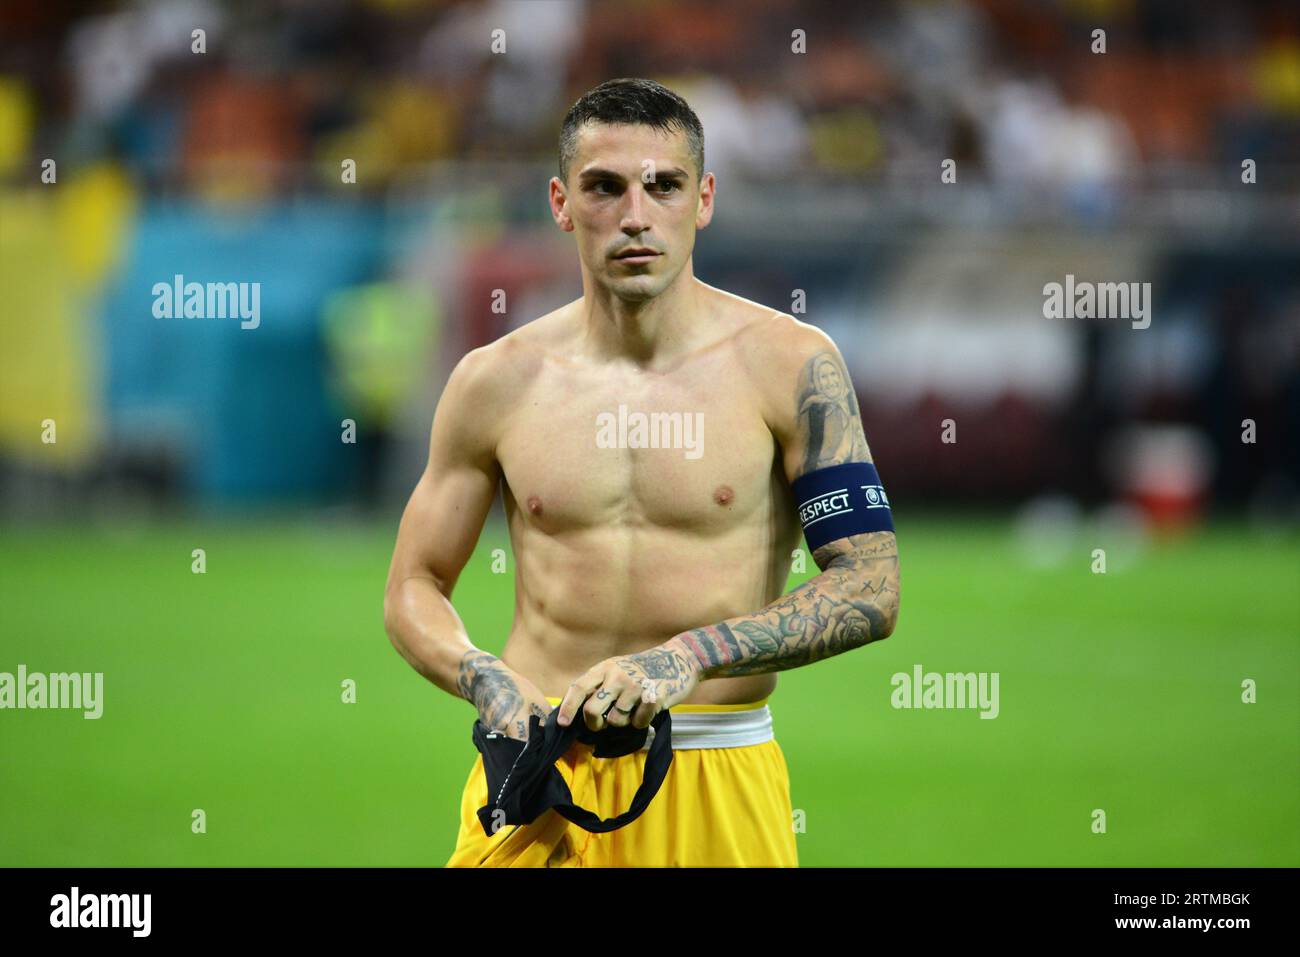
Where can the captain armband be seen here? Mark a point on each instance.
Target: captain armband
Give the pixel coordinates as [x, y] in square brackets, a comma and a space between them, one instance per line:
[839, 501]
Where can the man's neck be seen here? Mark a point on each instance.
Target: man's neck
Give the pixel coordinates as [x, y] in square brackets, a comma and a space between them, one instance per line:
[649, 332]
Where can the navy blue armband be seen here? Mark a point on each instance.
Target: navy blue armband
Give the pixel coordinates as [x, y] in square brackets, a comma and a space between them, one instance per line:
[839, 501]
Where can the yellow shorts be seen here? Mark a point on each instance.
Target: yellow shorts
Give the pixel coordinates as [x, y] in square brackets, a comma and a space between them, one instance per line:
[723, 803]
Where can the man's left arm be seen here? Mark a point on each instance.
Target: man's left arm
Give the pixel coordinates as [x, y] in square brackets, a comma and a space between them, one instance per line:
[853, 602]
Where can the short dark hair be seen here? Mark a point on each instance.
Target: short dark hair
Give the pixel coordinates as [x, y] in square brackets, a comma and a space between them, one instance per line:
[631, 100]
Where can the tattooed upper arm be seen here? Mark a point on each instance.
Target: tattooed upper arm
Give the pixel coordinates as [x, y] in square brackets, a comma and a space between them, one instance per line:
[854, 600]
[828, 425]
[810, 399]
[823, 427]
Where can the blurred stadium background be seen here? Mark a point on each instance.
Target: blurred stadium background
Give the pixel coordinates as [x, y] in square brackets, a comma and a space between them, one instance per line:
[1120, 691]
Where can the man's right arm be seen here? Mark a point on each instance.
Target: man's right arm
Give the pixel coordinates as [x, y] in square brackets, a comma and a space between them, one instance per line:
[437, 535]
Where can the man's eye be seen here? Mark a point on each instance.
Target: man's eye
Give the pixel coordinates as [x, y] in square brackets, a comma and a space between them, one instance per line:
[666, 182]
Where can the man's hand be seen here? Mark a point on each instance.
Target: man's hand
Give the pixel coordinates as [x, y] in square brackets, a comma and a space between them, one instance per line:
[505, 699]
[631, 689]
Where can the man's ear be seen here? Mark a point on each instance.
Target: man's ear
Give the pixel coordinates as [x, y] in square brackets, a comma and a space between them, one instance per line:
[704, 209]
[559, 199]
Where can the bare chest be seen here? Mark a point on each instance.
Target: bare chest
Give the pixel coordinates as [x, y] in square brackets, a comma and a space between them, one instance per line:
[686, 449]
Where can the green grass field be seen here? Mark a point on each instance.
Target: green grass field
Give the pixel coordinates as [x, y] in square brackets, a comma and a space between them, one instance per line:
[222, 692]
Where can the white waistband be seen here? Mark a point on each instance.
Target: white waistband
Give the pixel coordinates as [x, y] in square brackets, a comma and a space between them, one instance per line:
[719, 729]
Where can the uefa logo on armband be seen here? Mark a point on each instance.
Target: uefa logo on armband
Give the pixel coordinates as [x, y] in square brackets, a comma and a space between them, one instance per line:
[876, 497]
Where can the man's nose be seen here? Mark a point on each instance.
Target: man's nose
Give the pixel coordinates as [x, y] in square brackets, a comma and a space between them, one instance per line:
[633, 213]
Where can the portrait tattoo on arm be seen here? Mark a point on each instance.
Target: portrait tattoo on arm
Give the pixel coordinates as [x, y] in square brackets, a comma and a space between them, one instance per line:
[828, 416]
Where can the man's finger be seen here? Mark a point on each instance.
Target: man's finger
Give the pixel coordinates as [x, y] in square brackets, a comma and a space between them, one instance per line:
[575, 696]
[645, 712]
[597, 705]
[624, 707]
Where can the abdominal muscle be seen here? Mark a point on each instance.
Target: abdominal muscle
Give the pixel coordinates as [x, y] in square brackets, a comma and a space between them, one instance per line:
[591, 594]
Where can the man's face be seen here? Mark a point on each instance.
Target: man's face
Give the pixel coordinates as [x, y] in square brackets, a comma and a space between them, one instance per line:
[612, 206]
[829, 381]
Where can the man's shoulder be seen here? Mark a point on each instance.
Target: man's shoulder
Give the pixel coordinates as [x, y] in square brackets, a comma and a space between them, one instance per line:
[776, 348]
[498, 371]
[782, 335]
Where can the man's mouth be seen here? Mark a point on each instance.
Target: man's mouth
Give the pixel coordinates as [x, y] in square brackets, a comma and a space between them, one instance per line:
[637, 255]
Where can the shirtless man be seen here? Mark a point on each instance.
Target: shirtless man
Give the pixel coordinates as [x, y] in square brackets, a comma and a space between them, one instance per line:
[646, 578]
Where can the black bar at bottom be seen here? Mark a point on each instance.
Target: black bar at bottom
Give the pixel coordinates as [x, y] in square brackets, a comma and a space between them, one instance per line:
[527, 906]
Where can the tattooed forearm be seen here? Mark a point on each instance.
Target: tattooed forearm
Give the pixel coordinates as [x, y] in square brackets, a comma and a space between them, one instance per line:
[853, 602]
[486, 682]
